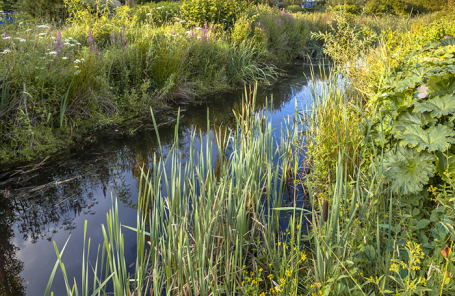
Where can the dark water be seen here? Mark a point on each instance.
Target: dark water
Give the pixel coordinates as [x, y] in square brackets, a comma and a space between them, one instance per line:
[43, 204]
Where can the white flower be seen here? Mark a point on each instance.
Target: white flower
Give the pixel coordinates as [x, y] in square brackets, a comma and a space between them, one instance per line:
[76, 66]
[52, 52]
[6, 51]
[43, 26]
[148, 14]
[384, 94]
[28, 30]
[66, 43]
[64, 58]
[188, 32]
[72, 45]
[18, 38]
[40, 37]
[198, 37]
[52, 38]
[22, 40]
[47, 48]
[78, 43]
[159, 7]
[77, 61]
[67, 40]
[7, 37]
[82, 59]
[198, 28]
[21, 23]
[77, 72]
[70, 38]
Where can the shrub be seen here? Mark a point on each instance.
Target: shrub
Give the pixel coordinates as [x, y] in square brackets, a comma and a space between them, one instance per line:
[294, 8]
[157, 13]
[351, 9]
[202, 12]
[283, 34]
[386, 7]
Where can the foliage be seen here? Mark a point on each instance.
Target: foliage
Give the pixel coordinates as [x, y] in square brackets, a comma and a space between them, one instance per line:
[204, 12]
[348, 8]
[386, 7]
[157, 13]
[187, 252]
[294, 8]
[417, 104]
[284, 35]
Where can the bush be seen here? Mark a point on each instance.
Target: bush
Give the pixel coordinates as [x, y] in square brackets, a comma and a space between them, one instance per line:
[157, 13]
[294, 8]
[351, 9]
[283, 34]
[386, 7]
[202, 12]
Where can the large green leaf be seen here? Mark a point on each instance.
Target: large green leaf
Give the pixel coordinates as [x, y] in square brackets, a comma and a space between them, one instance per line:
[439, 106]
[435, 138]
[408, 169]
[448, 41]
[445, 162]
[409, 118]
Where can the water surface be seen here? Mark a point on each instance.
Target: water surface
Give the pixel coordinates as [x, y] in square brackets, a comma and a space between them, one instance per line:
[49, 203]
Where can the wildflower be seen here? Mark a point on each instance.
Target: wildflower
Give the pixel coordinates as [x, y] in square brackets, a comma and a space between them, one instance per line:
[63, 70]
[159, 7]
[43, 27]
[77, 72]
[384, 94]
[78, 43]
[22, 40]
[261, 269]
[270, 276]
[254, 282]
[28, 30]
[52, 52]
[77, 61]
[303, 257]
[90, 38]
[6, 51]
[7, 37]
[288, 273]
[64, 58]
[42, 34]
[262, 294]
[40, 37]
[199, 37]
[76, 66]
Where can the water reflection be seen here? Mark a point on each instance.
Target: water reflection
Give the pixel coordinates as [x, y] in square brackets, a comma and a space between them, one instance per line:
[48, 202]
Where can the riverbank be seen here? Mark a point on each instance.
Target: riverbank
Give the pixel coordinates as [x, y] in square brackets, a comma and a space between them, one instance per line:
[100, 69]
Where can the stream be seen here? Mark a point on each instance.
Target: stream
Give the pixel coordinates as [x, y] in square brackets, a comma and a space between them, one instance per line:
[49, 202]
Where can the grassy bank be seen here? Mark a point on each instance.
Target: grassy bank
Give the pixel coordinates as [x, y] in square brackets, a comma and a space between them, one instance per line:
[103, 66]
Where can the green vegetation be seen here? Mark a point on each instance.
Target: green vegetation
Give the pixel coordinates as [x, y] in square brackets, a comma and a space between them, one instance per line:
[106, 65]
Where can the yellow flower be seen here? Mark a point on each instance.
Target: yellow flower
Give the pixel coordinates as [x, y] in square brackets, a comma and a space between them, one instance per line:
[288, 273]
[270, 276]
[262, 294]
[261, 269]
[303, 257]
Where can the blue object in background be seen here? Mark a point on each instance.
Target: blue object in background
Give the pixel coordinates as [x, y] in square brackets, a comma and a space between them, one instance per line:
[6, 17]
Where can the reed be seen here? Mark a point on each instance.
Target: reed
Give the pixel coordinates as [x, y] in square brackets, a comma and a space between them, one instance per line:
[203, 230]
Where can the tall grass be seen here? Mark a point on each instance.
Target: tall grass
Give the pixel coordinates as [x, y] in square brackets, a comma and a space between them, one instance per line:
[203, 230]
